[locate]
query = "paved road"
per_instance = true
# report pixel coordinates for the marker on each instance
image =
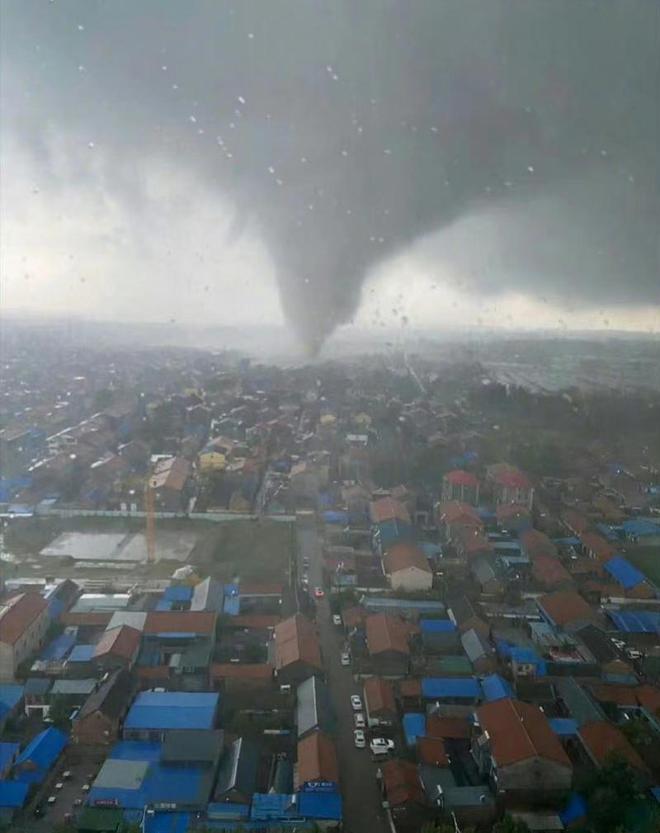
(362, 801)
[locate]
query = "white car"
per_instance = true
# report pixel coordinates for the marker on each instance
(358, 717)
(359, 739)
(381, 746)
(356, 703)
(51, 799)
(59, 785)
(336, 620)
(345, 658)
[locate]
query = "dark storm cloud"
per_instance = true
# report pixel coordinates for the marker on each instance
(347, 130)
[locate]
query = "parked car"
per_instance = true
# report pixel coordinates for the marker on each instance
(345, 658)
(358, 717)
(306, 561)
(59, 785)
(77, 802)
(381, 746)
(336, 620)
(52, 799)
(356, 703)
(85, 788)
(319, 592)
(39, 811)
(359, 738)
(66, 775)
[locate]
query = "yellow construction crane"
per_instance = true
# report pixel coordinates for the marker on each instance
(150, 512)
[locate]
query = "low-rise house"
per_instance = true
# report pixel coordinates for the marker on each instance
(24, 622)
(35, 694)
(314, 710)
(479, 651)
(485, 574)
(11, 701)
(632, 582)
(513, 517)
(407, 567)
(596, 547)
(471, 543)
(466, 616)
(37, 760)
(296, 650)
(461, 486)
(514, 745)
(117, 648)
(387, 640)
(452, 690)
(153, 713)
(379, 702)
(602, 741)
(568, 610)
(576, 702)
(241, 678)
(439, 636)
(550, 574)
(510, 485)
(455, 517)
(237, 777)
(317, 766)
(535, 543)
(402, 787)
(98, 721)
(72, 692)
(169, 481)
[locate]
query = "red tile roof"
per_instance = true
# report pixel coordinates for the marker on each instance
(620, 695)
(296, 640)
(388, 509)
(89, 618)
(453, 728)
(432, 751)
(565, 607)
(458, 477)
(473, 541)
(455, 512)
(317, 759)
(648, 696)
(387, 633)
(18, 614)
(261, 588)
(379, 695)
(519, 731)
(403, 555)
(512, 480)
(237, 671)
(410, 688)
(549, 571)
(180, 621)
(597, 545)
(602, 740)
(122, 642)
(575, 521)
(353, 616)
(402, 782)
(537, 543)
(511, 511)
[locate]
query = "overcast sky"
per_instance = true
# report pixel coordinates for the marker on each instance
(394, 163)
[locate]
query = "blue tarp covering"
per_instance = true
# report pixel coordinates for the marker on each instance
(167, 823)
(495, 688)
(227, 810)
(575, 810)
(164, 604)
(40, 755)
(59, 647)
(643, 621)
(340, 518)
(564, 726)
(178, 593)
(13, 793)
(608, 532)
(321, 805)
(414, 725)
(172, 710)
(231, 605)
(623, 572)
(437, 626)
(273, 806)
(449, 688)
(175, 784)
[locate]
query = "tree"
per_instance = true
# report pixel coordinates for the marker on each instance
(610, 791)
(59, 713)
(510, 825)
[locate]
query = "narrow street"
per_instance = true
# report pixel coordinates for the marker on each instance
(362, 801)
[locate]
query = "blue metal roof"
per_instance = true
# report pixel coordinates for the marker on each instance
(495, 688)
(11, 695)
(437, 626)
(642, 621)
(59, 647)
(273, 806)
(439, 688)
(172, 710)
(136, 750)
(164, 604)
(386, 603)
(332, 517)
(320, 805)
(178, 593)
(8, 752)
(81, 653)
(13, 794)
(41, 753)
(414, 725)
(167, 823)
(640, 528)
(231, 605)
(623, 572)
(564, 726)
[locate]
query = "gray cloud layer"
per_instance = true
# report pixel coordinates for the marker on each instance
(346, 130)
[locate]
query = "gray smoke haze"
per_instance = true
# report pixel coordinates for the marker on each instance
(345, 131)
